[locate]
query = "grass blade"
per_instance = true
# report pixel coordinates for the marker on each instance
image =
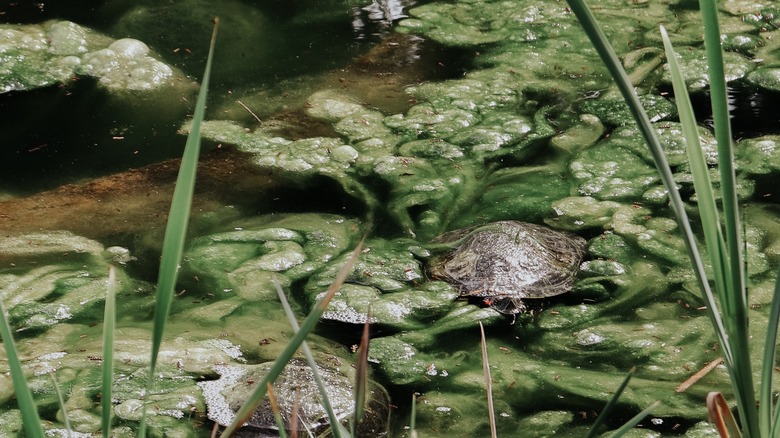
(176, 228)
(339, 430)
(413, 418)
(701, 178)
(61, 401)
(361, 384)
(109, 321)
(276, 411)
(767, 367)
(488, 382)
(610, 404)
(735, 306)
(289, 350)
(731, 300)
(722, 125)
(635, 420)
(295, 418)
(721, 415)
(24, 398)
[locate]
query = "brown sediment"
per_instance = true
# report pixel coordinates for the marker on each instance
(379, 79)
(380, 76)
(133, 200)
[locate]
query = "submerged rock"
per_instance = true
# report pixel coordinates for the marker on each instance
(35, 56)
(388, 281)
(53, 277)
(281, 249)
(295, 387)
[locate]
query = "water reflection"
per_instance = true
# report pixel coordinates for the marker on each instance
(378, 17)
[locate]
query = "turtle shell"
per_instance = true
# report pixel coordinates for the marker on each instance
(509, 261)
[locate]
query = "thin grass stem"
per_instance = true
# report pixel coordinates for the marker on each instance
(361, 383)
(622, 430)
(768, 420)
(109, 322)
(731, 300)
(609, 407)
(292, 346)
(735, 296)
(276, 411)
(61, 402)
(488, 382)
(338, 429)
(413, 417)
(294, 415)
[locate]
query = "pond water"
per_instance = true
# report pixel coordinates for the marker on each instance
(397, 120)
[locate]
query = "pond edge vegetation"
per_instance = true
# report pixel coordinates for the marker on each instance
(729, 312)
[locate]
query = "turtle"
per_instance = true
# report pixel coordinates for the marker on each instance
(508, 262)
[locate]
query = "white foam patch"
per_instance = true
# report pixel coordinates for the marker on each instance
(227, 347)
(218, 409)
(52, 356)
(65, 433)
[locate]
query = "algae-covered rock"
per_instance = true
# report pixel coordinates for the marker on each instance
(425, 120)
(759, 155)
(693, 64)
(581, 212)
(52, 277)
(256, 254)
(416, 357)
(657, 236)
(611, 247)
(480, 91)
(388, 281)
(35, 56)
(501, 133)
(436, 189)
(126, 65)
(303, 159)
(11, 422)
(613, 110)
(580, 136)
(612, 174)
(544, 423)
(672, 140)
(76, 363)
(332, 106)
(294, 389)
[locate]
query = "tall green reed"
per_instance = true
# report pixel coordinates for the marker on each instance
(176, 227)
(24, 399)
(729, 313)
